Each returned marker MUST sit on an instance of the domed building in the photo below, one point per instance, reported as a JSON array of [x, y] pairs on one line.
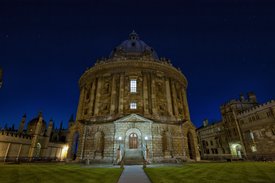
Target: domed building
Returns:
[[133, 107]]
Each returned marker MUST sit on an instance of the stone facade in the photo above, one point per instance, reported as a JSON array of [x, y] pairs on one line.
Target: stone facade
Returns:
[[247, 130], [133, 97], [36, 143]]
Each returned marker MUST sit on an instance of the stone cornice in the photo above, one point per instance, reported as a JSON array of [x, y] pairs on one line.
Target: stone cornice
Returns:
[[128, 65], [111, 119]]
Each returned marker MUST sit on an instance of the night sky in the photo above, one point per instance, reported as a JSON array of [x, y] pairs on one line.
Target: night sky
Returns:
[[223, 49]]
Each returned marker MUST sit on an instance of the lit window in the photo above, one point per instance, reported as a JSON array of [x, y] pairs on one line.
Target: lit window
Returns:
[[253, 148], [251, 135], [133, 105], [133, 86]]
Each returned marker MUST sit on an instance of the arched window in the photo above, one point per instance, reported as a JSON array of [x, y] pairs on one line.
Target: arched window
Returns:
[[99, 142]]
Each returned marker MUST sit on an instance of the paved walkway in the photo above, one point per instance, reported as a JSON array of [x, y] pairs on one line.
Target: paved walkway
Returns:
[[133, 174]]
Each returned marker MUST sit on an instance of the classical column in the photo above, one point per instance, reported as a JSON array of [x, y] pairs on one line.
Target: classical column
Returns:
[[145, 94], [92, 98], [168, 97], [174, 97], [185, 105], [80, 104], [113, 95], [121, 93], [153, 96], [98, 94]]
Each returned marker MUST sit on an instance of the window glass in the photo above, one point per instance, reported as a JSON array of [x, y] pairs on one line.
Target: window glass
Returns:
[[133, 86], [133, 105]]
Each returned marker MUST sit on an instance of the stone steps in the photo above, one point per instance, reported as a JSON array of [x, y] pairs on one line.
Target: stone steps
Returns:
[[133, 157]]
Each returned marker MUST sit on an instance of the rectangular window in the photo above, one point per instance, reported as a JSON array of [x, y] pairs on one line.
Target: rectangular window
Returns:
[[133, 86], [133, 105]]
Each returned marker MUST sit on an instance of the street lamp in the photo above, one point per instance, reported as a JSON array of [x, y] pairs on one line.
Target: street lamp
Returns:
[[146, 148]]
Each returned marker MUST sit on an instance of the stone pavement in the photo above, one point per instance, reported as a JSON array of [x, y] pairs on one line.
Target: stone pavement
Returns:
[[133, 174]]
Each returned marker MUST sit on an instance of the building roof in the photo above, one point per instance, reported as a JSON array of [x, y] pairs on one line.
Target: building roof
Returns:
[[132, 47], [35, 120]]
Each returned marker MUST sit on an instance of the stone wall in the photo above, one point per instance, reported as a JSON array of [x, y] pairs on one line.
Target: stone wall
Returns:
[[16, 146], [105, 91], [251, 129]]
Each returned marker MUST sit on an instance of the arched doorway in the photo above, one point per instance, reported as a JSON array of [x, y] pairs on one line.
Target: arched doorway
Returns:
[[236, 150], [190, 141], [75, 145], [133, 141], [38, 150]]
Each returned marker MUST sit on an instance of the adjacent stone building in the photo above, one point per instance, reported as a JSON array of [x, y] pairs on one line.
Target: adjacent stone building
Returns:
[[37, 142], [133, 106], [246, 131]]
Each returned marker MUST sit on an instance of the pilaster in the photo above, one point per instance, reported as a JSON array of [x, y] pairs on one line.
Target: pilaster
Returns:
[[113, 95], [121, 93], [153, 86], [98, 94], [92, 98], [145, 94], [168, 96], [185, 105], [174, 97]]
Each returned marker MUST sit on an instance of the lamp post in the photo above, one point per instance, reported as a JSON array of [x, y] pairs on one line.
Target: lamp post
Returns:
[[146, 147], [119, 154], [119, 142]]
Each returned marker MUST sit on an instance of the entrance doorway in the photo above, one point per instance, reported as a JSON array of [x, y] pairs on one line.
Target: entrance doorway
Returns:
[[133, 141]]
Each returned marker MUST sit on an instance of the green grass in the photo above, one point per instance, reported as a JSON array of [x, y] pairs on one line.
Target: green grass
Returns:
[[48, 173], [236, 172]]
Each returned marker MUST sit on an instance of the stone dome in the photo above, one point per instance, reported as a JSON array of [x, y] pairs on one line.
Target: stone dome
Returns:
[[34, 121], [133, 47], [129, 103], [32, 124]]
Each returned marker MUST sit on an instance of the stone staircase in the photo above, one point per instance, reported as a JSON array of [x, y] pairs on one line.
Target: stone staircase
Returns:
[[133, 157]]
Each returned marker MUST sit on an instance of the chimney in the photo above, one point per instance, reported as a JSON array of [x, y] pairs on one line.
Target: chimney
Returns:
[[50, 127], [205, 122], [252, 97], [242, 97], [22, 124]]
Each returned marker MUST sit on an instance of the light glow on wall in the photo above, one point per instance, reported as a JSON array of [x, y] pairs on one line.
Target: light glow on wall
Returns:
[[64, 152]]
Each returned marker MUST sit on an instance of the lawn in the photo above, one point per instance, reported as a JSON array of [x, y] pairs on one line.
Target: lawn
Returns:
[[236, 172], [51, 173]]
